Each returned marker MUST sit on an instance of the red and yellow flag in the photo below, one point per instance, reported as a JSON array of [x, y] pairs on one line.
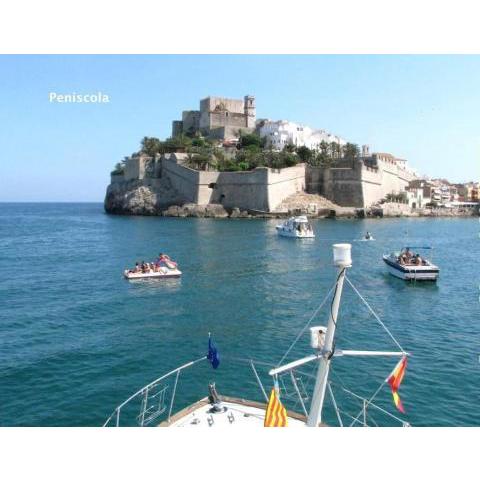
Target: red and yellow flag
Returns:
[[275, 414], [395, 379]]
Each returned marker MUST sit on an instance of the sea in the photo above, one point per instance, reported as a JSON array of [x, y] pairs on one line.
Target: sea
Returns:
[[77, 339]]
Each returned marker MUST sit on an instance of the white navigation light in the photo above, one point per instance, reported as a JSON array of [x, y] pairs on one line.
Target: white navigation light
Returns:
[[317, 337], [342, 255]]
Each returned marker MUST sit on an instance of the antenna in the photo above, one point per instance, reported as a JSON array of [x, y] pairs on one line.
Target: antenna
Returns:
[[342, 258]]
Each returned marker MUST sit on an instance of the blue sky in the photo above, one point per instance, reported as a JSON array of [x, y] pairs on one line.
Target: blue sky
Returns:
[[422, 108]]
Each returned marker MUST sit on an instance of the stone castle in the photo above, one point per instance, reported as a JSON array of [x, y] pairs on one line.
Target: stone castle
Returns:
[[218, 117], [150, 185]]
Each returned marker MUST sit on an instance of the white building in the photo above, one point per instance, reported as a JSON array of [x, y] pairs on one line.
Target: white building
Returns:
[[282, 132], [415, 198], [404, 166]]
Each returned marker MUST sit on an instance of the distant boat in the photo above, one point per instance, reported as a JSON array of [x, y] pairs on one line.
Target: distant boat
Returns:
[[296, 227], [163, 272], [163, 267], [405, 265]]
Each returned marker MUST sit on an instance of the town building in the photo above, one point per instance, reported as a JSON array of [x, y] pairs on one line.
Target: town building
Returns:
[[280, 133], [468, 192], [218, 117], [425, 186]]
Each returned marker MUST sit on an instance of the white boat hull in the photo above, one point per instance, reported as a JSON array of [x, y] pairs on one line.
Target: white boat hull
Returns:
[[411, 272], [163, 273], [294, 234]]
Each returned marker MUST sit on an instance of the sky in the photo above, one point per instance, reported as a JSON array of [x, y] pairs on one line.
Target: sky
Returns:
[[425, 109]]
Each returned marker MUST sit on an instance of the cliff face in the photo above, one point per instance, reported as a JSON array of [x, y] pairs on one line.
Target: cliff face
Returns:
[[155, 197], [139, 197]]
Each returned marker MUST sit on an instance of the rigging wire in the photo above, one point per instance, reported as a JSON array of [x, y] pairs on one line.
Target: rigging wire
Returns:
[[302, 331], [375, 315]]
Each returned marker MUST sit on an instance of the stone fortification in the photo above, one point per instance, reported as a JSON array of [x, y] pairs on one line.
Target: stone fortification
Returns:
[[218, 117], [358, 183], [150, 186]]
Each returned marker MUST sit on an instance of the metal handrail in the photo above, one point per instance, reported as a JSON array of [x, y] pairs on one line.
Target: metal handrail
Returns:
[[140, 392], [368, 404]]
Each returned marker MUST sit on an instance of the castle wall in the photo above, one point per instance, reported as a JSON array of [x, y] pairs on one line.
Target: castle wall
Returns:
[[260, 189], [357, 185], [373, 188], [314, 180], [190, 120], [117, 178], [183, 179], [347, 184], [177, 128], [222, 119], [135, 168], [283, 183], [218, 117], [232, 105], [344, 186], [245, 190]]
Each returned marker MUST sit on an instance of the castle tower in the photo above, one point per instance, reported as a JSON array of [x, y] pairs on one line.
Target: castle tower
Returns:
[[249, 110], [365, 151]]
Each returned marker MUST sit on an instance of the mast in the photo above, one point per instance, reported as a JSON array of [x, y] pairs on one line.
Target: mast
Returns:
[[342, 258]]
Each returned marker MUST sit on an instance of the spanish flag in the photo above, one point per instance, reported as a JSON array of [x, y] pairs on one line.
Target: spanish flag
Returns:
[[275, 414], [395, 379]]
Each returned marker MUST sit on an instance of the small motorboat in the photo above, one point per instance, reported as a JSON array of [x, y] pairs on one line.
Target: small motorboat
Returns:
[[163, 267], [296, 227], [162, 272], [409, 266]]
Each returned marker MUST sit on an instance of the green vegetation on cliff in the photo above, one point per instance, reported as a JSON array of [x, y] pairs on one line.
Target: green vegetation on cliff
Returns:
[[250, 152]]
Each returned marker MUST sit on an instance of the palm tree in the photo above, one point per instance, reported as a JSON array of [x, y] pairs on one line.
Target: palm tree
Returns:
[[351, 151], [334, 150]]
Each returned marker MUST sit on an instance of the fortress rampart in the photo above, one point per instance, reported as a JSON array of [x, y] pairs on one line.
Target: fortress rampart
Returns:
[[261, 189], [356, 184]]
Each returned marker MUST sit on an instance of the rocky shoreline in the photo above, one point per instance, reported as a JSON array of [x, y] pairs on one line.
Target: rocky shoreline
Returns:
[[160, 199]]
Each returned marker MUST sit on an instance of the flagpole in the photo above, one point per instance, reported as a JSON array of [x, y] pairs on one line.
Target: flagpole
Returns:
[[342, 259]]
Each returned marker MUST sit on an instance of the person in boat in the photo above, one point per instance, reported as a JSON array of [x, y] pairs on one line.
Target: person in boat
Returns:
[[162, 257], [135, 269], [417, 260], [408, 254], [143, 267]]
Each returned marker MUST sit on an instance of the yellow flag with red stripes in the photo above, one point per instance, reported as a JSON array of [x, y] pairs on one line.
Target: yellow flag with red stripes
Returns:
[[275, 414]]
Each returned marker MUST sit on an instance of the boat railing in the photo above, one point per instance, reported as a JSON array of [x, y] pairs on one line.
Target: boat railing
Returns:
[[364, 415], [155, 400], [154, 403]]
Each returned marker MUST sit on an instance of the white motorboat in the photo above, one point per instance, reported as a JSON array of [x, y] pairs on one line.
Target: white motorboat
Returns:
[[163, 267], [408, 266], [297, 398], [162, 272], [296, 227]]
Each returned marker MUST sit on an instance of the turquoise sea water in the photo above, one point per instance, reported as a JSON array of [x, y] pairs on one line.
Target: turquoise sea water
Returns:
[[76, 339]]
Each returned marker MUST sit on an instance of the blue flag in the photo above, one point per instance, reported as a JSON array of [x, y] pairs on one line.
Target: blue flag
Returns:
[[212, 353]]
